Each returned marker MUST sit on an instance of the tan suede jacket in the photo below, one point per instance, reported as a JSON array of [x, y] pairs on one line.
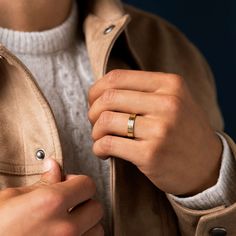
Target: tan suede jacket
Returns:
[[116, 37]]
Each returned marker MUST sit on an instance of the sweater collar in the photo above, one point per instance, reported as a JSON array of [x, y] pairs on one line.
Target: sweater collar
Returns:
[[48, 41], [103, 22]]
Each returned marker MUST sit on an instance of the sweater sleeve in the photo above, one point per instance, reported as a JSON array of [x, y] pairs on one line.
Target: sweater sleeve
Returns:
[[223, 193]]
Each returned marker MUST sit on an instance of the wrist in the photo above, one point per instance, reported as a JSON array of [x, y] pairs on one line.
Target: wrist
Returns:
[[208, 173]]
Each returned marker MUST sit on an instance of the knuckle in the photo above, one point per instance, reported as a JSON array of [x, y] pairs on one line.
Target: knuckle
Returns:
[[103, 147], [102, 124], [94, 135], [113, 76], [173, 104], [177, 81], [105, 118], [164, 131], [90, 117], [108, 96], [51, 199], [89, 183], [106, 144]]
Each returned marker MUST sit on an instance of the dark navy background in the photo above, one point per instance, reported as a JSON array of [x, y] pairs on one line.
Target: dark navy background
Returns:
[[211, 25]]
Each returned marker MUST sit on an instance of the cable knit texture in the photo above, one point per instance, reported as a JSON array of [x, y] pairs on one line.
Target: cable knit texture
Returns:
[[223, 193], [59, 61]]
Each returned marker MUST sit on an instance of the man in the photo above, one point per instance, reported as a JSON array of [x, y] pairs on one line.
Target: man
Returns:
[[169, 164]]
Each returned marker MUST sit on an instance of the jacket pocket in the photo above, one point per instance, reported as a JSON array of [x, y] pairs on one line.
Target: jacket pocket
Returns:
[[27, 124]]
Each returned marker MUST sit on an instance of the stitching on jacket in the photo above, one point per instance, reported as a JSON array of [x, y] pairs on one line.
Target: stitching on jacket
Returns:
[[36, 92]]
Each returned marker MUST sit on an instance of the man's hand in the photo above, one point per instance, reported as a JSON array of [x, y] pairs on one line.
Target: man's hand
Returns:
[[174, 145], [51, 207]]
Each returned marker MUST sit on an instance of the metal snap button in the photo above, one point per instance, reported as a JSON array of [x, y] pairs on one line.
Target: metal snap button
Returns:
[[109, 29], [40, 155], [218, 232]]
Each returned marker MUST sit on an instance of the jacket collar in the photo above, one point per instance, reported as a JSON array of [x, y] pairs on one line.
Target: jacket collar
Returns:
[[100, 16]]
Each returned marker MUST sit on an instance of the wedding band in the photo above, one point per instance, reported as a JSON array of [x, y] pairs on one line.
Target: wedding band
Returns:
[[131, 123]]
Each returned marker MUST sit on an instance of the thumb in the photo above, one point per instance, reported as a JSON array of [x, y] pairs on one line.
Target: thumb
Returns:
[[53, 172]]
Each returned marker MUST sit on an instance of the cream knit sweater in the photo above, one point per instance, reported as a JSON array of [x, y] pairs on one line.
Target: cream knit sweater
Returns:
[[59, 61]]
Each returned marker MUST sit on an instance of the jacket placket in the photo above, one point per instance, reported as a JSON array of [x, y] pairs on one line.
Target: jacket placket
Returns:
[[100, 38]]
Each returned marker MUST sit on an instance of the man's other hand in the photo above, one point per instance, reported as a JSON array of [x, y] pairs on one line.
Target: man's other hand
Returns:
[[51, 207]]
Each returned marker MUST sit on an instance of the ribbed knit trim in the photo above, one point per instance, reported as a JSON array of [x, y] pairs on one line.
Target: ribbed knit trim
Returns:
[[48, 41], [223, 193]]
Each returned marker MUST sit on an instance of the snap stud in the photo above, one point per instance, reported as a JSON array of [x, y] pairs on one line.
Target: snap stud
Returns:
[[40, 155], [218, 232], [109, 29]]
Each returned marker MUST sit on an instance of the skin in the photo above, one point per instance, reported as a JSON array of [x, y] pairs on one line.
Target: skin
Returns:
[[33, 15], [174, 145], [52, 207]]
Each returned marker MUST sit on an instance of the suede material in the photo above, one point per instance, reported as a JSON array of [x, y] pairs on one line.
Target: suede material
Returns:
[[27, 123], [96, 34], [146, 43]]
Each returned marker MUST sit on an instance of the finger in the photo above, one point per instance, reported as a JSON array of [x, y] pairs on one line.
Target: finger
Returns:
[[96, 230], [115, 123], [51, 176], [9, 193], [68, 177], [126, 149], [133, 102], [76, 190], [130, 80], [125, 102], [87, 215], [53, 173]]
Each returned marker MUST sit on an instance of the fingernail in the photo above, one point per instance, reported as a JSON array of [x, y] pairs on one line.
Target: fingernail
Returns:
[[47, 165]]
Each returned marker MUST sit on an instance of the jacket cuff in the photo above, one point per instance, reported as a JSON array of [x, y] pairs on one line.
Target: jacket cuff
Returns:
[[223, 193], [200, 222]]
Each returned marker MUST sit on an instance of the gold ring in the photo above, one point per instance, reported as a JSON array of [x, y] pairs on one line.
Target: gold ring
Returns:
[[131, 123]]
